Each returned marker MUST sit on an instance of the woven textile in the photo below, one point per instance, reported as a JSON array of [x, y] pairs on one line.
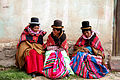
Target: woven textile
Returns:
[[27, 35], [54, 66], [87, 65], [93, 41], [61, 42]]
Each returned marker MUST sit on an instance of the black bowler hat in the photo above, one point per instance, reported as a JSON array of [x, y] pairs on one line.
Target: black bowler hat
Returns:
[[34, 20], [57, 24], [85, 25]]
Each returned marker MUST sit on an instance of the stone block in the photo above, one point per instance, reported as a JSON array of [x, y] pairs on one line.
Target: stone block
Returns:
[[115, 63], [7, 63], [10, 53], [2, 56], [7, 54]]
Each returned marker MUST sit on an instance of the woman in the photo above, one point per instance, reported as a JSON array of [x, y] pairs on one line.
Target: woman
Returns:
[[30, 48], [88, 56], [56, 63]]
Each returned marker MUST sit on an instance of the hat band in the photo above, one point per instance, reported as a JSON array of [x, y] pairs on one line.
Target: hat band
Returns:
[[34, 23], [86, 28], [57, 27]]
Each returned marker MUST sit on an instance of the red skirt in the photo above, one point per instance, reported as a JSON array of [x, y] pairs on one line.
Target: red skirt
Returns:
[[34, 62]]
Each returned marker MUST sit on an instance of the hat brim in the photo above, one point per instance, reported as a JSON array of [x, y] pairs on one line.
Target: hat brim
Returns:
[[34, 23], [53, 26]]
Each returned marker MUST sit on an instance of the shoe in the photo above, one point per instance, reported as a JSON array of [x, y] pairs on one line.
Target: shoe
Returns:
[[68, 75], [33, 75], [39, 74]]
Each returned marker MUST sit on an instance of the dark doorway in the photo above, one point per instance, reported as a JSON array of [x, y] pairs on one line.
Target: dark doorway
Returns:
[[116, 29]]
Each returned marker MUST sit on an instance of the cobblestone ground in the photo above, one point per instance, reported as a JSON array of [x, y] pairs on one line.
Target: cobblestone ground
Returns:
[[109, 76]]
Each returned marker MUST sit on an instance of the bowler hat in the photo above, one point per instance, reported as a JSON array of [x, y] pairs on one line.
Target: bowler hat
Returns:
[[57, 24], [34, 20], [85, 25]]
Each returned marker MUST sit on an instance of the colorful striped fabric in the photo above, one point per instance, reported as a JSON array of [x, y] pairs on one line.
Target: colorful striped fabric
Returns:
[[28, 36], [55, 41], [88, 66], [55, 66], [93, 42]]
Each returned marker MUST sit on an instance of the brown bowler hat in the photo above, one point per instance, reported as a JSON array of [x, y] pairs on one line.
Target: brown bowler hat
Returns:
[[57, 24]]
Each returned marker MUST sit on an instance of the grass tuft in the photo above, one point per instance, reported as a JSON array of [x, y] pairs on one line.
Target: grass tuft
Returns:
[[13, 74]]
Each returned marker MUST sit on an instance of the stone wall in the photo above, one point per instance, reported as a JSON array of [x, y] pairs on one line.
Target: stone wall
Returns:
[[8, 50]]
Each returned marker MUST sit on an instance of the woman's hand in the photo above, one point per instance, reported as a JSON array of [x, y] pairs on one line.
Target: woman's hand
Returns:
[[61, 49], [86, 50]]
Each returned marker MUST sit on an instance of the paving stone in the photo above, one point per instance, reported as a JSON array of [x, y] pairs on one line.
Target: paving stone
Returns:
[[40, 78], [117, 74], [109, 76]]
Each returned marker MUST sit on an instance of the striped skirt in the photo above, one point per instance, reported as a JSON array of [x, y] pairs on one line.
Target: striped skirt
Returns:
[[88, 66], [56, 65]]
